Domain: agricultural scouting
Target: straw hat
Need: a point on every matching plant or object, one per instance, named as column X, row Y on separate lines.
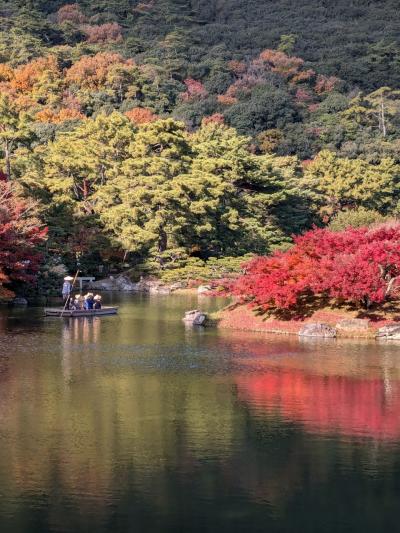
column 97, row 297
column 89, row 295
column 68, row 278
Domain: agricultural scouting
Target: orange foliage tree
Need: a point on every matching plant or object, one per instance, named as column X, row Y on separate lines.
column 216, row 118
column 52, row 116
column 281, row 63
column 70, row 13
column 141, row 115
column 105, row 33
column 91, row 72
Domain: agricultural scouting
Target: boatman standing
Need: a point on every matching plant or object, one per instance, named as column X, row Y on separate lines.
column 66, row 290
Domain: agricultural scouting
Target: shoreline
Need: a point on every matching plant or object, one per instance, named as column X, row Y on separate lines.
column 242, row 318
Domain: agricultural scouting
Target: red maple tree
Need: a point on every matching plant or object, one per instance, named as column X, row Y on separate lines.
column 361, row 266
column 194, row 90
column 20, row 235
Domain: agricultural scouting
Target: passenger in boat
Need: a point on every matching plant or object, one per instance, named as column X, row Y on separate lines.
column 74, row 304
column 77, row 303
column 97, row 302
column 66, row 291
column 89, row 301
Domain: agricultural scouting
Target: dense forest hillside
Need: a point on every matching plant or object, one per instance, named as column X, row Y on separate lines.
column 176, row 137
column 355, row 40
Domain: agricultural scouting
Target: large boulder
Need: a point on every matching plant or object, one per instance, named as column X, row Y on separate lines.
column 391, row 331
column 317, row 330
column 118, row 283
column 195, row 318
column 353, row 324
column 106, row 284
column 124, row 284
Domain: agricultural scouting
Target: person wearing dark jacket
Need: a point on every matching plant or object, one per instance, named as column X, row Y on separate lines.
column 89, row 301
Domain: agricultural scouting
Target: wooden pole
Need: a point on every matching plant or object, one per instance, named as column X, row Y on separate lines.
column 72, row 288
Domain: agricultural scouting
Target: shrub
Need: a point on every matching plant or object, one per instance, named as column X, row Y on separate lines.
column 356, row 218
column 357, row 265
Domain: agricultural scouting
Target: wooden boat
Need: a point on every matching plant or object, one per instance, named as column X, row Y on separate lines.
column 77, row 313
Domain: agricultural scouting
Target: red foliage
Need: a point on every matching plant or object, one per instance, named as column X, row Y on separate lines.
column 226, row 99
column 194, row 90
column 244, row 84
column 216, row 118
column 70, row 13
column 141, row 115
column 281, row 63
column 361, row 266
column 237, row 67
column 325, row 404
column 326, row 84
column 313, row 108
column 303, row 96
column 71, row 102
column 105, row 33
column 20, row 234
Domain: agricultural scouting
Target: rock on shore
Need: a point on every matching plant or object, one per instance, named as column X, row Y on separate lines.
column 353, row 324
column 391, row 331
column 124, row 284
column 195, row 318
column 317, row 330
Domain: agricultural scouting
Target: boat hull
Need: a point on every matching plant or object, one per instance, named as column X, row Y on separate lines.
column 78, row 313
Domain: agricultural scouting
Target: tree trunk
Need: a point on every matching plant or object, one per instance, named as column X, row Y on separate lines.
column 382, row 118
column 7, row 155
column 162, row 241
column 162, row 246
column 366, row 302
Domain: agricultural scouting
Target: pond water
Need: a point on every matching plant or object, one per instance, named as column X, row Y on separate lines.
column 134, row 423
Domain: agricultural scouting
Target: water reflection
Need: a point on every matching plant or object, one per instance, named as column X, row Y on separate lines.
column 140, row 424
column 349, row 406
column 351, row 388
column 78, row 332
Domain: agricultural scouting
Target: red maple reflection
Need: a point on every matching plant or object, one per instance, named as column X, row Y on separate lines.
column 342, row 404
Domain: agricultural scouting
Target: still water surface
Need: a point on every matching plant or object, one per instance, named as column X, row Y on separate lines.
column 135, row 424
